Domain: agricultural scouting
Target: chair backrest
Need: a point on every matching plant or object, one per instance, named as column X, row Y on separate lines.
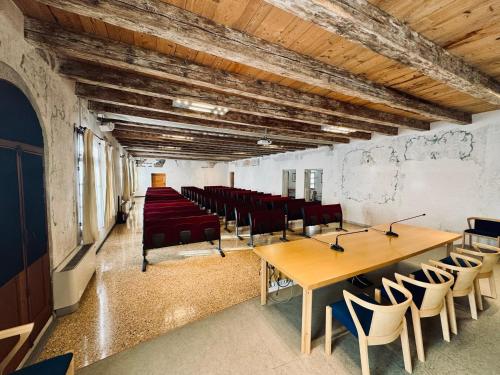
column 386, row 320
column 487, row 254
column 428, row 296
column 463, row 268
column 23, row 332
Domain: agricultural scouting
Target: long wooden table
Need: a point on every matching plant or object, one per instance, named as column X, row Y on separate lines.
column 312, row 264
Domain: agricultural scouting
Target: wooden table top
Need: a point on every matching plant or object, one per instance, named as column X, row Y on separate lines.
column 312, row 264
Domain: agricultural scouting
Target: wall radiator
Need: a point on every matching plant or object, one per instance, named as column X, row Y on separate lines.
column 71, row 278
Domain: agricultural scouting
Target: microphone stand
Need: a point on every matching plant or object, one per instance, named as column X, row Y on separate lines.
column 390, row 233
column 335, row 246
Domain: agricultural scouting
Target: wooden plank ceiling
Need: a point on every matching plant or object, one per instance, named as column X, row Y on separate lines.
column 283, row 68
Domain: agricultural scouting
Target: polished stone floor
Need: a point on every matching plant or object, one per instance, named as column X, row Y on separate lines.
column 123, row 306
column 251, row 339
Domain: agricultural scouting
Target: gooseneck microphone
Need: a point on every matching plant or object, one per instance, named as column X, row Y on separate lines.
column 390, row 233
column 335, row 246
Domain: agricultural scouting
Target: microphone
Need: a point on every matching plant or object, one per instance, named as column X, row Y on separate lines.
column 335, row 246
column 390, row 233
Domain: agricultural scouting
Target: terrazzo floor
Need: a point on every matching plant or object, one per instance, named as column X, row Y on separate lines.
column 252, row 339
column 123, row 306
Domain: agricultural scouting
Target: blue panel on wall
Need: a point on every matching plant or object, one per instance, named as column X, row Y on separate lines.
column 34, row 206
column 19, row 121
column 11, row 254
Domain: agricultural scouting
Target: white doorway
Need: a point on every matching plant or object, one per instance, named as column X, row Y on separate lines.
column 313, row 185
column 289, row 180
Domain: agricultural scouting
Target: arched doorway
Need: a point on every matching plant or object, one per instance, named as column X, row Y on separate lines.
column 25, row 291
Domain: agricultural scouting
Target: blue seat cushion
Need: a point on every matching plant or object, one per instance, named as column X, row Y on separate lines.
column 341, row 313
column 420, row 276
column 416, row 291
column 480, row 232
column 53, row 366
column 449, row 261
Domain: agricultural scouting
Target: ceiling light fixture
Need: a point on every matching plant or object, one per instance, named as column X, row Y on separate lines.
column 336, row 129
column 177, row 137
column 200, row 107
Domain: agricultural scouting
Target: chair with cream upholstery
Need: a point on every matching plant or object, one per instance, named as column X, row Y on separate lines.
column 488, row 255
column 371, row 322
column 464, row 270
column 60, row 365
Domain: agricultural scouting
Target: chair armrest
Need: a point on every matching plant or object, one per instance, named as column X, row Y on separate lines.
column 23, row 332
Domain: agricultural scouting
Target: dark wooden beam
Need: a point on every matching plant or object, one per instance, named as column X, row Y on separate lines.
column 180, row 156
column 134, row 100
column 120, row 55
column 200, row 144
column 123, row 110
column 146, row 134
column 155, row 17
column 364, row 23
column 169, row 132
column 139, row 84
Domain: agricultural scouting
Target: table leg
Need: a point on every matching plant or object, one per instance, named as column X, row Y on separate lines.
column 449, row 248
column 263, row 282
column 306, row 321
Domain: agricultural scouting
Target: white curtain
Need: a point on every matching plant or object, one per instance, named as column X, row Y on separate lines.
column 126, row 179
column 110, row 187
column 90, row 227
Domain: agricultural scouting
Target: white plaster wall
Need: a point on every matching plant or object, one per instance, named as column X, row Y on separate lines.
column 450, row 173
column 58, row 109
column 185, row 173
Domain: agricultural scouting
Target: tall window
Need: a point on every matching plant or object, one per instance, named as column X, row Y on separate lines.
column 79, row 183
column 100, row 180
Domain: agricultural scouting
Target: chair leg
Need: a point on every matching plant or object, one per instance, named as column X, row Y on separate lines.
column 328, row 330
column 493, row 287
column 450, row 305
column 363, row 353
column 377, row 295
column 417, row 329
column 444, row 323
column 405, row 344
column 477, row 294
column 472, row 303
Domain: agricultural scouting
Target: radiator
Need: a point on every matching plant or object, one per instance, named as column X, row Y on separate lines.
column 71, row 278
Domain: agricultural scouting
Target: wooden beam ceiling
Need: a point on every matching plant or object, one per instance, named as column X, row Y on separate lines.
column 169, row 22
column 259, row 131
column 364, row 23
column 144, row 61
column 259, row 111
column 133, row 100
column 166, row 135
column 169, row 132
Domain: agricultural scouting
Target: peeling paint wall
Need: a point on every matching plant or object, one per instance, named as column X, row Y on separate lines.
column 184, row 173
column 58, row 109
column 450, row 173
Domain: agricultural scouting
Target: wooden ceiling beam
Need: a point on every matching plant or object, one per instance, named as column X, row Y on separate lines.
column 180, row 156
column 140, row 101
column 141, row 60
column 259, row 130
column 121, row 137
column 364, row 23
column 163, row 20
column 168, row 131
column 199, row 139
column 153, row 87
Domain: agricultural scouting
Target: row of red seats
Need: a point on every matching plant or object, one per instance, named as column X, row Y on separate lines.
column 235, row 204
column 171, row 219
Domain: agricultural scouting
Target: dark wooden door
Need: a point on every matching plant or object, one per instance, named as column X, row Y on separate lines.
column 25, row 292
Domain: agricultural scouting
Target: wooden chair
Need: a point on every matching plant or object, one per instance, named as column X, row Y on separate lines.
column 464, row 270
column 488, row 255
column 429, row 288
column 60, row 365
column 371, row 322
column 482, row 227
